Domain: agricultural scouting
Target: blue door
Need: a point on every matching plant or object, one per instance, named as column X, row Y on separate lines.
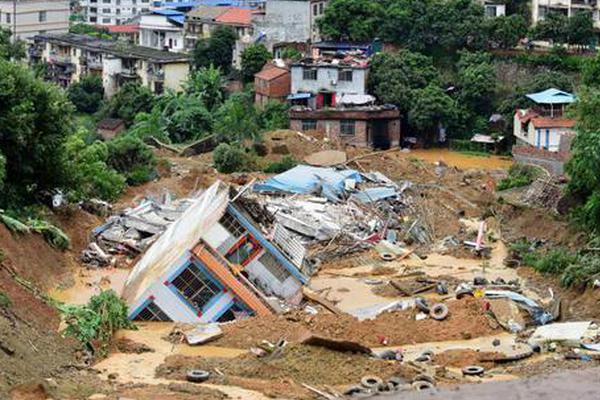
column 547, row 139
column 538, row 138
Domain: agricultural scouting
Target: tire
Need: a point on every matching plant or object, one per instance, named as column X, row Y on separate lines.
column 424, row 358
column 387, row 256
column 197, row 375
column 371, row 382
column 473, row 370
column 422, row 385
column 439, row 311
column 396, row 382
column 463, row 293
column 422, row 305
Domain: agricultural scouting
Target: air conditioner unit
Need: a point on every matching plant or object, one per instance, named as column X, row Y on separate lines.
column 334, row 82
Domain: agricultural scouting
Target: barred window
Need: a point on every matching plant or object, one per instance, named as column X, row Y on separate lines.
column 195, row 286
column 348, row 127
column 345, row 75
column 309, row 74
column 274, row 267
column 152, row 312
column 309, row 125
column 232, row 225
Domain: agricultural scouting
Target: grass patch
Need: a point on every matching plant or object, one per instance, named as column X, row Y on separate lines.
column 519, row 175
column 277, row 167
column 5, row 300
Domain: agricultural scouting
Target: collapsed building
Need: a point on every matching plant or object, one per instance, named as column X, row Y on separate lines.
column 233, row 254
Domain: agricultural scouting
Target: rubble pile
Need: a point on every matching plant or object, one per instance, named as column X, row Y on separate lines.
column 133, row 230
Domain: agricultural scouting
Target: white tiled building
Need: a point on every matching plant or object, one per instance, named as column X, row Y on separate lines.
column 540, row 8
column 113, row 12
column 27, row 18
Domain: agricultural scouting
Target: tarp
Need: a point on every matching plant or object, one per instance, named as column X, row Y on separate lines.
column 372, row 195
column 304, row 179
column 539, row 315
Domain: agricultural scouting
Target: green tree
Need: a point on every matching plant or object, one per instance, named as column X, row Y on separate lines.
column 216, row 50
column 394, row 77
column 91, row 177
column 590, row 69
column 354, row 20
column 36, row 119
column 131, row 157
column 152, row 124
column 432, row 108
column 554, row 27
column 87, row 94
column 274, row 115
column 230, row 158
column 580, row 29
column 208, row 85
column 476, row 82
column 236, row 119
column 506, row 31
column 291, row 53
column 90, row 30
column 9, row 49
column 130, row 100
column 2, row 170
column 186, row 118
column 254, row 57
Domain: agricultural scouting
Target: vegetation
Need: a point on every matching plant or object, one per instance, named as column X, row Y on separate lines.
column 52, row 234
column 133, row 98
column 254, row 57
column 216, row 50
column 519, row 175
column 236, row 120
column 5, row 301
column 87, row 94
column 90, row 30
column 132, row 158
column 10, row 50
column 277, row 167
column 95, row 323
column 230, row 158
column 208, row 85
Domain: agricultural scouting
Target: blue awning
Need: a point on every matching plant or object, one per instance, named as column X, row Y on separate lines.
column 178, row 19
column 299, row 96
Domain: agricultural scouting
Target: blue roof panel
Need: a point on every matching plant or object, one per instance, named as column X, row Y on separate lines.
column 552, row 96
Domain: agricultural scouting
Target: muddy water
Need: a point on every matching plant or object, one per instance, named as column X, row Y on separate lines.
column 89, row 282
column 462, row 161
column 140, row 368
column 347, row 292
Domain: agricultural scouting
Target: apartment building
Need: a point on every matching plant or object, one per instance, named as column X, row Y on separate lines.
column 288, row 21
column 27, row 18
column 71, row 56
column 113, row 12
column 162, row 30
column 541, row 8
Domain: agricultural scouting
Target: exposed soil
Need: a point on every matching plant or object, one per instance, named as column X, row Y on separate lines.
column 463, row 358
column 466, row 320
column 298, row 364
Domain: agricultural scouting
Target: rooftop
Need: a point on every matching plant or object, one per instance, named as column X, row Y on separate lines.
column 552, row 96
column 347, row 61
column 132, row 28
column 236, row 16
column 113, row 47
column 270, row 72
column 206, row 13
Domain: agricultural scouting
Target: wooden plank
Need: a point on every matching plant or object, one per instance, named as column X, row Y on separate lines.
column 312, row 296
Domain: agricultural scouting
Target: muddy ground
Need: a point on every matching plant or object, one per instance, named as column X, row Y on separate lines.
column 35, row 355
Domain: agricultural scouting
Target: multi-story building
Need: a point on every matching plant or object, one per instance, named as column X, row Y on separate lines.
column 27, row 18
column 113, row 12
column 288, row 21
column 541, row 8
column 271, row 83
column 494, row 8
column 70, row 56
column 162, row 30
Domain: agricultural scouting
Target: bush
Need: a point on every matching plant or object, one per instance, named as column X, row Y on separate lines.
column 132, row 158
column 87, row 94
column 554, row 261
column 130, row 100
column 230, row 158
column 4, row 300
column 95, row 323
column 524, row 250
column 582, row 273
column 52, row 234
column 274, row 115
column 518, row 175
column 277, row 167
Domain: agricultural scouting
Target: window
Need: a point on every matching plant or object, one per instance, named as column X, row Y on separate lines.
column 134, row 10
column 320, row 8
column 195, row 286
column 8, row 18
column 106, row 1
column 244, row 252
column 232, row 225
column 93, row 19
column 145, row 10
column 309, row 125
column 93, row 9
column 42, row 16
column 345, row 76
column 145, row 1
column 118, row 11
column 309, row 74
column 106, row 10
column 106, row 20
column 347, row 127
column 274, row 267
column 152, row 312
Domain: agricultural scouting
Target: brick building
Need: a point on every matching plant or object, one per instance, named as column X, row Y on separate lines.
column 271, row 83
column 362, row 126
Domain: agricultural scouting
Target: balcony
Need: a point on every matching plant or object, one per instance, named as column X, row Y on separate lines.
column 94, row 64
column 34, row 52
column 64, row 59
column 584, row 3
column 157, row 76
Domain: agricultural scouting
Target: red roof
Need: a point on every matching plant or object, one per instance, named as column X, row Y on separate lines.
column 123, row 28
column 270, row 72
column 236, row 16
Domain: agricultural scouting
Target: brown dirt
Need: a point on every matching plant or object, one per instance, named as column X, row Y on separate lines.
column 126, row 345
column 463, row 358
column 298, row 364
column 283, row 143
column 466, row 320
